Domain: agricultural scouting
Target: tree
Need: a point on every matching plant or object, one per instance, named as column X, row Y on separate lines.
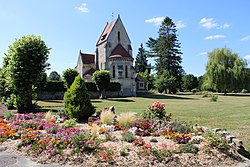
column 189, row 82
column 165, row 82
column 54, row 76
column 77, row 102
column 69, row 76
column 141, row 62
column 102, row 80
column 23, row 64
column 149, row 77
column 224, row 70
column 166, row 51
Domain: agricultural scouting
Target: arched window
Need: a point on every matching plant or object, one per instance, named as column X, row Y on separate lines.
column 126, row 71
column 113, row 71
column 119, row 38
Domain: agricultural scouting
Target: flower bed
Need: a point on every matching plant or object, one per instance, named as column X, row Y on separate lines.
column 152, row 139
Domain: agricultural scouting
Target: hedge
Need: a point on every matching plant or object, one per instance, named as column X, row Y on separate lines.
column 58, row 86
column 54, row 86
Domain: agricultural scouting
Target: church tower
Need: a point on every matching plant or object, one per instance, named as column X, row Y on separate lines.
column 114, row 53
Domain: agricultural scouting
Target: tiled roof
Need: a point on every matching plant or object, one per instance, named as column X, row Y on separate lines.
column 119, row 51
column 89, row 71
column 106, row 32
column 87, row 58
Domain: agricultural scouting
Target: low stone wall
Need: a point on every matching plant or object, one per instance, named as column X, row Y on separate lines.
column 235, row 143
column 52, row 95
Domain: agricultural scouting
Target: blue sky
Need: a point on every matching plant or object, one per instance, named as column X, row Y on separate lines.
column 70, row 25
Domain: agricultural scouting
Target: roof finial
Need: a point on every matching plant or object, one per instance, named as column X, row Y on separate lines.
column 112, row 16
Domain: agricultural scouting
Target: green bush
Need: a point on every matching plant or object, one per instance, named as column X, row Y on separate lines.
column 128, row 137
column 77, row 102
column 215, row 140
column 188, row 148
column 214, row 98
column 8, row 115
column 244, row 91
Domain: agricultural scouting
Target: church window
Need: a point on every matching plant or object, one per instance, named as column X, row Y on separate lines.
column 103, row 37
column 113, row 71
column 120, row 67
column 141, row 85
column 126, row 71
column 120, row 74
column 119, row 38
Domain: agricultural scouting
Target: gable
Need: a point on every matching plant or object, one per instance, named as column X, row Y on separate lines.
column 111, row 29
column 120, row 51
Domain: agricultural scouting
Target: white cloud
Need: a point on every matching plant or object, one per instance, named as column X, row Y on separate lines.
column 246, row 38
column 208, row 23
column 156, row 20
column 179, row 25
column 224, row 26
column 247, row 57
column 203, row 53
column 215, row 37
column 83, row 8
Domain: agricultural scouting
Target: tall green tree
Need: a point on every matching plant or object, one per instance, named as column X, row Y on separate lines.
column 24, row 64
column 102, row 81
column 189, row 82
column 224, row 70
column 166, row 51
column 69, row 76
column 54, row 76
column 141, row 62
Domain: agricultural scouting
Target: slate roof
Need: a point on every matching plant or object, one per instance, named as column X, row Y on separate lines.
column 108, row 28
column 119, row 51
column 87, row 58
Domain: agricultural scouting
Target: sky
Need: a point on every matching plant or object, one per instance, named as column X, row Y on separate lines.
column 68, row 26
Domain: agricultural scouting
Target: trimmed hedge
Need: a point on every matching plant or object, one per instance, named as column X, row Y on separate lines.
column 54, row 86
column 114, row 86
column 91, row 86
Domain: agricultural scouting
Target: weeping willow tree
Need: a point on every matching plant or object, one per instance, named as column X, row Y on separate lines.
column 225, row 71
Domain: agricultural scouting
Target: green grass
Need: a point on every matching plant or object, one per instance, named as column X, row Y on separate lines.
column 229, row 112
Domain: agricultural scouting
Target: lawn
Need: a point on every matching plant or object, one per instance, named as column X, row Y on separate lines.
column 230, row 112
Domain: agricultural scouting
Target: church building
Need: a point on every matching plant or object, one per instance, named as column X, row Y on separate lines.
column 113, row 53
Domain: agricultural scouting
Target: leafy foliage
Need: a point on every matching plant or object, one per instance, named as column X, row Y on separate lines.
column 224, row 70
column 165, row 82
column 54, row 76
column 189, row 82
column 149, row 77
column 102, row 80
column 69, row 76
column 23, row 66
column 77, row 102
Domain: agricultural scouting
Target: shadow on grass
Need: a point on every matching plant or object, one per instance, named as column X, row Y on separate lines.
column 237, row 94
column 52, row 101
column 96, row 101
column 163, row 96
column 121, row 100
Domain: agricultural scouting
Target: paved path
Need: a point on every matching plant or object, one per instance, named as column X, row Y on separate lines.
column 12, row 160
